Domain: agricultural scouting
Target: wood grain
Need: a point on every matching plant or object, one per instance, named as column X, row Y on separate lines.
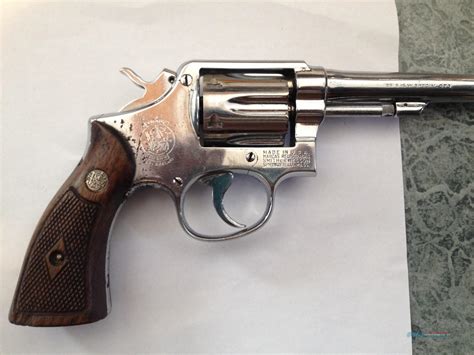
column 63, row 279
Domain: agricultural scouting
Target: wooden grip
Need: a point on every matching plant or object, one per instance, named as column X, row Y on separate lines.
column 63, row 279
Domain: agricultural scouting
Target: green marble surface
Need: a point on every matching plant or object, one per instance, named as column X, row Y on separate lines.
column 438, row 167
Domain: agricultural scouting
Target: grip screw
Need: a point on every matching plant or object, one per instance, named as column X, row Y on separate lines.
column 56, row 257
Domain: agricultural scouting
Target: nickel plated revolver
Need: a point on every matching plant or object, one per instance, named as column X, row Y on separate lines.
column 203, row 123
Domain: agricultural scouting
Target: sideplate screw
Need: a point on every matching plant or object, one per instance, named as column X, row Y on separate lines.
column 186, row 80
column 178, row 181
column 250, row 157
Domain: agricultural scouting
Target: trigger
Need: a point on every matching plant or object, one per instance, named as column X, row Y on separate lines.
column 220, row 183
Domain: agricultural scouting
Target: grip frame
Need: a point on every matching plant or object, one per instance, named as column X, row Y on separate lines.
column 64, row 278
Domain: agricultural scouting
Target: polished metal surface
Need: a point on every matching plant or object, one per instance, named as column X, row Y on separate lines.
column 360, row 109
column 356, row 86
column 212, row 119
column 244, row 109
column 310, row 103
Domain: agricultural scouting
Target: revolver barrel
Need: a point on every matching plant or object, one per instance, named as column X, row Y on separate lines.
column 399, row 86
column 392, row 94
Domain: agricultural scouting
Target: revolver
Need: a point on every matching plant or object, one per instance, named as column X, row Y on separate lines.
column 203, row 123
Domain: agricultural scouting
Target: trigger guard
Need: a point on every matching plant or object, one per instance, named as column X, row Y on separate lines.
column 269, row 189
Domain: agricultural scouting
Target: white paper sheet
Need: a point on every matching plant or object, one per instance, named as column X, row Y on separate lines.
column 327, row 274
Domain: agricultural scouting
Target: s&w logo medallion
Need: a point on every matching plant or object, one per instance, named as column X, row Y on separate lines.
column 157, row 142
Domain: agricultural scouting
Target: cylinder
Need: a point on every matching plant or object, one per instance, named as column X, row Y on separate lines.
column 244, row 109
